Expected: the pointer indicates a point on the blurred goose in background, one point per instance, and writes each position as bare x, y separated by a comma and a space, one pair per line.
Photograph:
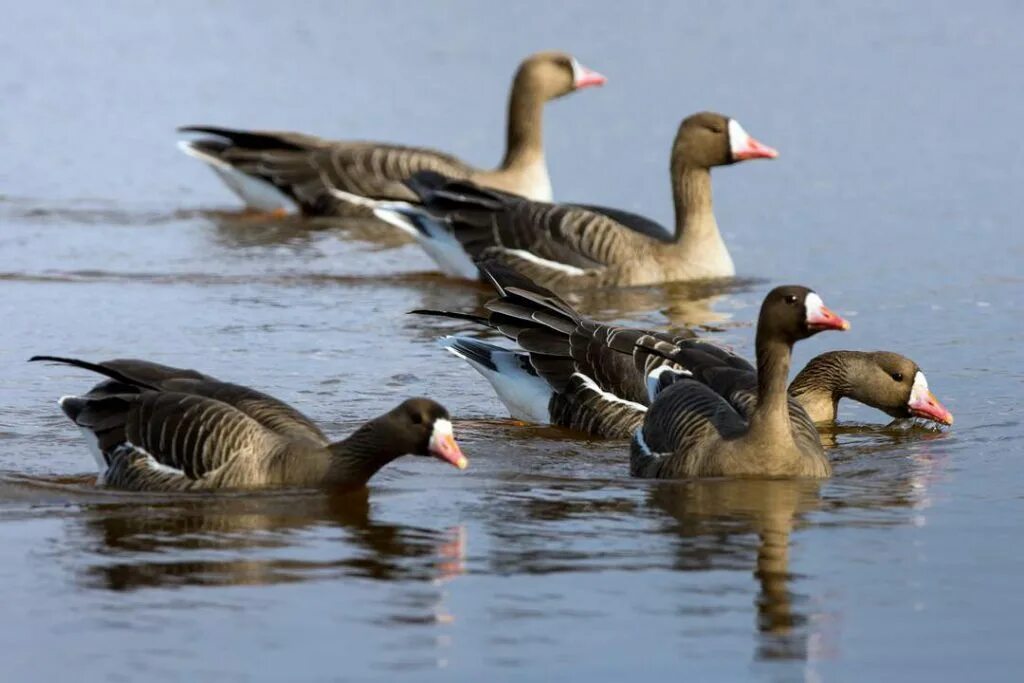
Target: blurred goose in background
567, 246
575, 372
281, 171
153, 427
731, 421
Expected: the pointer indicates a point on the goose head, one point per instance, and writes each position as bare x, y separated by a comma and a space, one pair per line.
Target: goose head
708, 139
794, 312
895, 385
554, 74
424, 427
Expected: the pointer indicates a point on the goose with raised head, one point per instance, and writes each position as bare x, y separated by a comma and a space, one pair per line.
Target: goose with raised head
567, 246
156, 428
281, 171
730, 421
571, 371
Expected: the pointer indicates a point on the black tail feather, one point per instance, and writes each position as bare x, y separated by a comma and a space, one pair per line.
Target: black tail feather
243, 138
97, 368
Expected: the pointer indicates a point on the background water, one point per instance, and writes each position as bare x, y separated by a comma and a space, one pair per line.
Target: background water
897, 195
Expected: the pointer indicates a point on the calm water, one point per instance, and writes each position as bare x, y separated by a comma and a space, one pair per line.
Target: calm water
897, 196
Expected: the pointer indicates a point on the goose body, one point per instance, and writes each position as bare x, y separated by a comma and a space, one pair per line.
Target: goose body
272, 170
158, 428
569, 246
570, 371
730, 421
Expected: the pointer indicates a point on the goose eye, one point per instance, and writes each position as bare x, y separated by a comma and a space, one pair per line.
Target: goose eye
791, 299
898, 376
417, 418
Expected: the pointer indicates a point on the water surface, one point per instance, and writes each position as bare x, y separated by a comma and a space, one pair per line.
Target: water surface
896, 196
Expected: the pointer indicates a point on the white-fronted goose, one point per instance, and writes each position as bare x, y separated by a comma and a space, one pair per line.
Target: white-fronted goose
566, 246
152, 427
291, 171
730, 421
574, 372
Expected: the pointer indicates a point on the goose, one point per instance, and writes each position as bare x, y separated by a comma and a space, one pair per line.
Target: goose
289, 172
153, 427
734, 422
574, 372
571, 246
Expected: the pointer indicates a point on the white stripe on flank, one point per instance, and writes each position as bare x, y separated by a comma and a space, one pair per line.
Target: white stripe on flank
154, 464
607, 395
257, 193
554, 265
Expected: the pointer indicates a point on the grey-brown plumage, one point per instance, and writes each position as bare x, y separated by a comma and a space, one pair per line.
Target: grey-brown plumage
569, 246
158, 428
729, 421
305, 168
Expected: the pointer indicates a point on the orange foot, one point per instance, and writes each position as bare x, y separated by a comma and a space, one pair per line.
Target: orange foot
258, 215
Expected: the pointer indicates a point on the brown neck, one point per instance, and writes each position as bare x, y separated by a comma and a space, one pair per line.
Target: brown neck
525, 144
691, 192
362, 454
697, 249
821, 384
771, 417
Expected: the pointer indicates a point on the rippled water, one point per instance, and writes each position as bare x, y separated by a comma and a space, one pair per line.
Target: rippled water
897, 196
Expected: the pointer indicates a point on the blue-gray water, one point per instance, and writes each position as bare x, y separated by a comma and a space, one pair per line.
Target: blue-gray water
897, 195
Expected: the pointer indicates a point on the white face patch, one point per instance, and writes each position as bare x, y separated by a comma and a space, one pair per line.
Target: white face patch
919, 392
577, 71
442, 428
815, 307
739, 139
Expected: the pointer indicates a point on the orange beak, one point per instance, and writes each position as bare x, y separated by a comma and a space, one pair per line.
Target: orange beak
586, 78
443, 446
825, 319
928, 407
752, 149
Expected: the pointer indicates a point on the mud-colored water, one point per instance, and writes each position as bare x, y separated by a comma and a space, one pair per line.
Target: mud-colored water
897, 196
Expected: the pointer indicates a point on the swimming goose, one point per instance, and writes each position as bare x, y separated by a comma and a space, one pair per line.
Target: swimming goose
560, 352
574, 372
274, 171
157, 428
731, 421
566, 246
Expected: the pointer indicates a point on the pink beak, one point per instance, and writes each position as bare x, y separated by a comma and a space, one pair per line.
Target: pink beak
753, 149
445, 448
586, 78
929, 408
825, 319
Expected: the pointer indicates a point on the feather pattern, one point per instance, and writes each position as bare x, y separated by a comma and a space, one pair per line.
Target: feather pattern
560, 344
185, 431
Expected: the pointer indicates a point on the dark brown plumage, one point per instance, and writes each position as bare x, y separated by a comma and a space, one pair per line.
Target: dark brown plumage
158, 428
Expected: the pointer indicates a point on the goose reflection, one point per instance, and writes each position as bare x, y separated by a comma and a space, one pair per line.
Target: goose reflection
727, 513
248, 229
258, 540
